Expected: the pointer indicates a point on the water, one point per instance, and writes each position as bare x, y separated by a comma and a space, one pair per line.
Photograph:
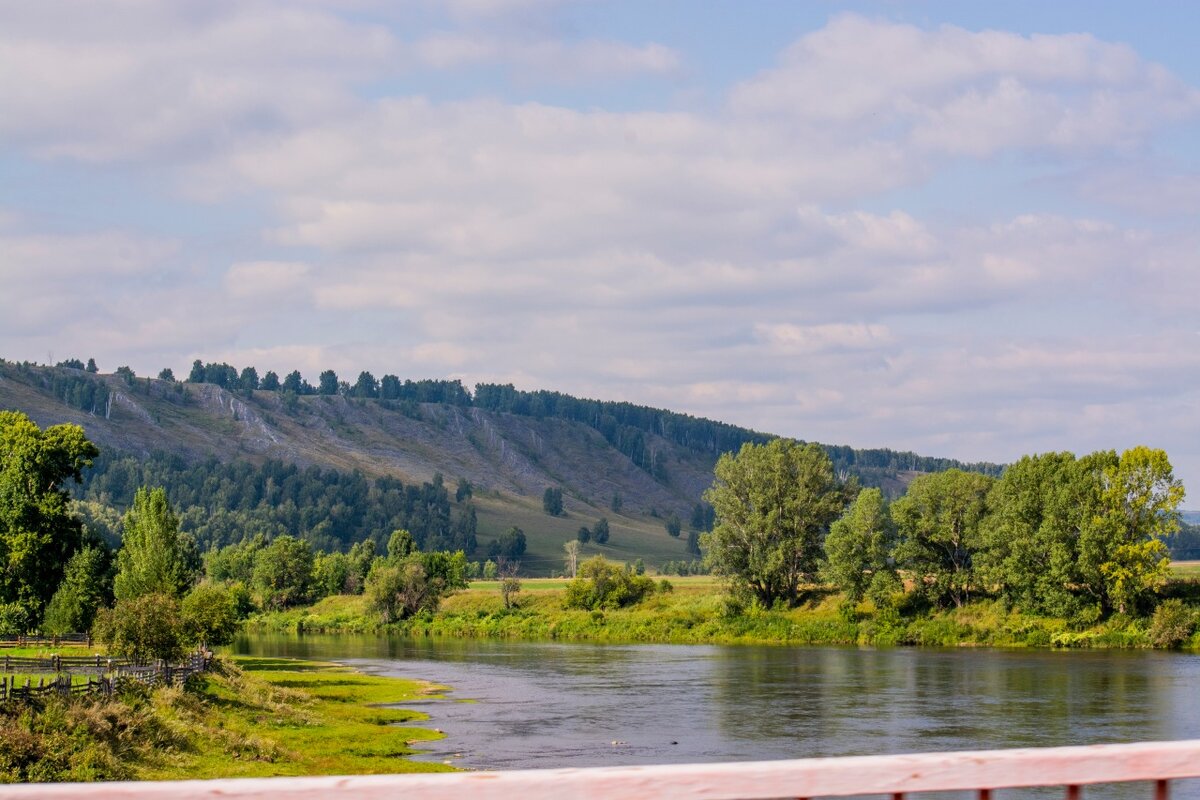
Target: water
541, 705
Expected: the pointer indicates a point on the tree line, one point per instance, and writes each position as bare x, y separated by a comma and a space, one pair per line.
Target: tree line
223, 503
630, 428
154, 592
1056, 534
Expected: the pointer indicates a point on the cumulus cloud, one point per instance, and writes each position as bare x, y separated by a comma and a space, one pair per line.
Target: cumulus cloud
953, 91
753, 260
553, 60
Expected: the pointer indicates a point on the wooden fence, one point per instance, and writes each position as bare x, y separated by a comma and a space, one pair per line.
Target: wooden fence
61, 640
104, 674
1156, 763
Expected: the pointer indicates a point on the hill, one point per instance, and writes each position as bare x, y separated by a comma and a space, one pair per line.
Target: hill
225, 452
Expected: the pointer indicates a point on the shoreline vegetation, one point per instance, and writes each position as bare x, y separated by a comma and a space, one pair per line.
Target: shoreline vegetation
249, 717
699, 611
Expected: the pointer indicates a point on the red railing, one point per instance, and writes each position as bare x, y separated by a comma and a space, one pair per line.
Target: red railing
982, 771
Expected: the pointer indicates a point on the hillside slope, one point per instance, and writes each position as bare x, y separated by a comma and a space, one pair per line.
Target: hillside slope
509, 458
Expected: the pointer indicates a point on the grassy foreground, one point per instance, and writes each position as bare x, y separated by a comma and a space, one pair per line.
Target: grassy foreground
697, 611
250, 717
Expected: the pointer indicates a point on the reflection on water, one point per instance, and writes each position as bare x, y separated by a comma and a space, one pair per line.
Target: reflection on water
548, 704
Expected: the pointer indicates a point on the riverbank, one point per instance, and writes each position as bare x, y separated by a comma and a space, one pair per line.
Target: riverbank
702, 614
250, 717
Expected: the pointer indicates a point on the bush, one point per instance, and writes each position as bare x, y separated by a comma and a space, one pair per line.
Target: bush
1172, 624
603, 584
142, 629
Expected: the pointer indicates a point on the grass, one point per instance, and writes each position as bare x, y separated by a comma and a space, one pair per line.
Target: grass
696, 610
630, 538
1185, 569
249, 717
262, 717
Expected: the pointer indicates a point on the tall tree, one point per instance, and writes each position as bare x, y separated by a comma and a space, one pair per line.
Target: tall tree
283, 572
365, 386
248, 380
1121, 553
38, 532
293, 382
552, 501
84, 589
938, 520
858, 549
270, 382
154, 557
328, 382
774, 503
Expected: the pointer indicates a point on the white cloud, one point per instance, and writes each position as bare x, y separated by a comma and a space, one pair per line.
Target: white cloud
550, 60
251, 279
953, 91
743, 260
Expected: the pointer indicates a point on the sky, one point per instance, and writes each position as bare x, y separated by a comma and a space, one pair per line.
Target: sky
964, 229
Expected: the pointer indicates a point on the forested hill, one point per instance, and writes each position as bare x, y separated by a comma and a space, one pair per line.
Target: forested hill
634, 464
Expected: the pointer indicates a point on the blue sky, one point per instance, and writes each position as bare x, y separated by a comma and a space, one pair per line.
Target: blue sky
967, 229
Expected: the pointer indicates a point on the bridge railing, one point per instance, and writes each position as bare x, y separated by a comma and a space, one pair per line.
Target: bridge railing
1157, 763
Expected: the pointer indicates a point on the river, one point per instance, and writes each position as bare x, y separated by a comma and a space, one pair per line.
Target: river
534, 704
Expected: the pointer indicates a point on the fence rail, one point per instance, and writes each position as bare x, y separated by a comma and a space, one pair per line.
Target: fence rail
60, 640
109, 673
982, 771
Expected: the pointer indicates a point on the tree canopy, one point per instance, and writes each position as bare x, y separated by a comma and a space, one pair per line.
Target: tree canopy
38, 532
774, 503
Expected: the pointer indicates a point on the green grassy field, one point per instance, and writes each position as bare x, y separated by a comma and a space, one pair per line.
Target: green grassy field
248, 717
1185, 569
630, 538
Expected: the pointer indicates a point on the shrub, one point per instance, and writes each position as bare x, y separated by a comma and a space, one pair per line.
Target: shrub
1172, 624
603, 584
143, 628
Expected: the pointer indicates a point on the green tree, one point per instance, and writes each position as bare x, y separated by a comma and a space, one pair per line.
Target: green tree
154, 556
1038, 510
248, 380
365, 386
858, 549
774, 503
600, 531
400, 545
552, 501
167, 374
283, 573
616, 503
509, 545
1121, 553
38, 531
359, 558
327, 383
234, 562
584, 535
673, 526
463, 491
85, 587
939, 525
270, 382
294, 383
209, 615
91, 366
197, 373
331, 573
